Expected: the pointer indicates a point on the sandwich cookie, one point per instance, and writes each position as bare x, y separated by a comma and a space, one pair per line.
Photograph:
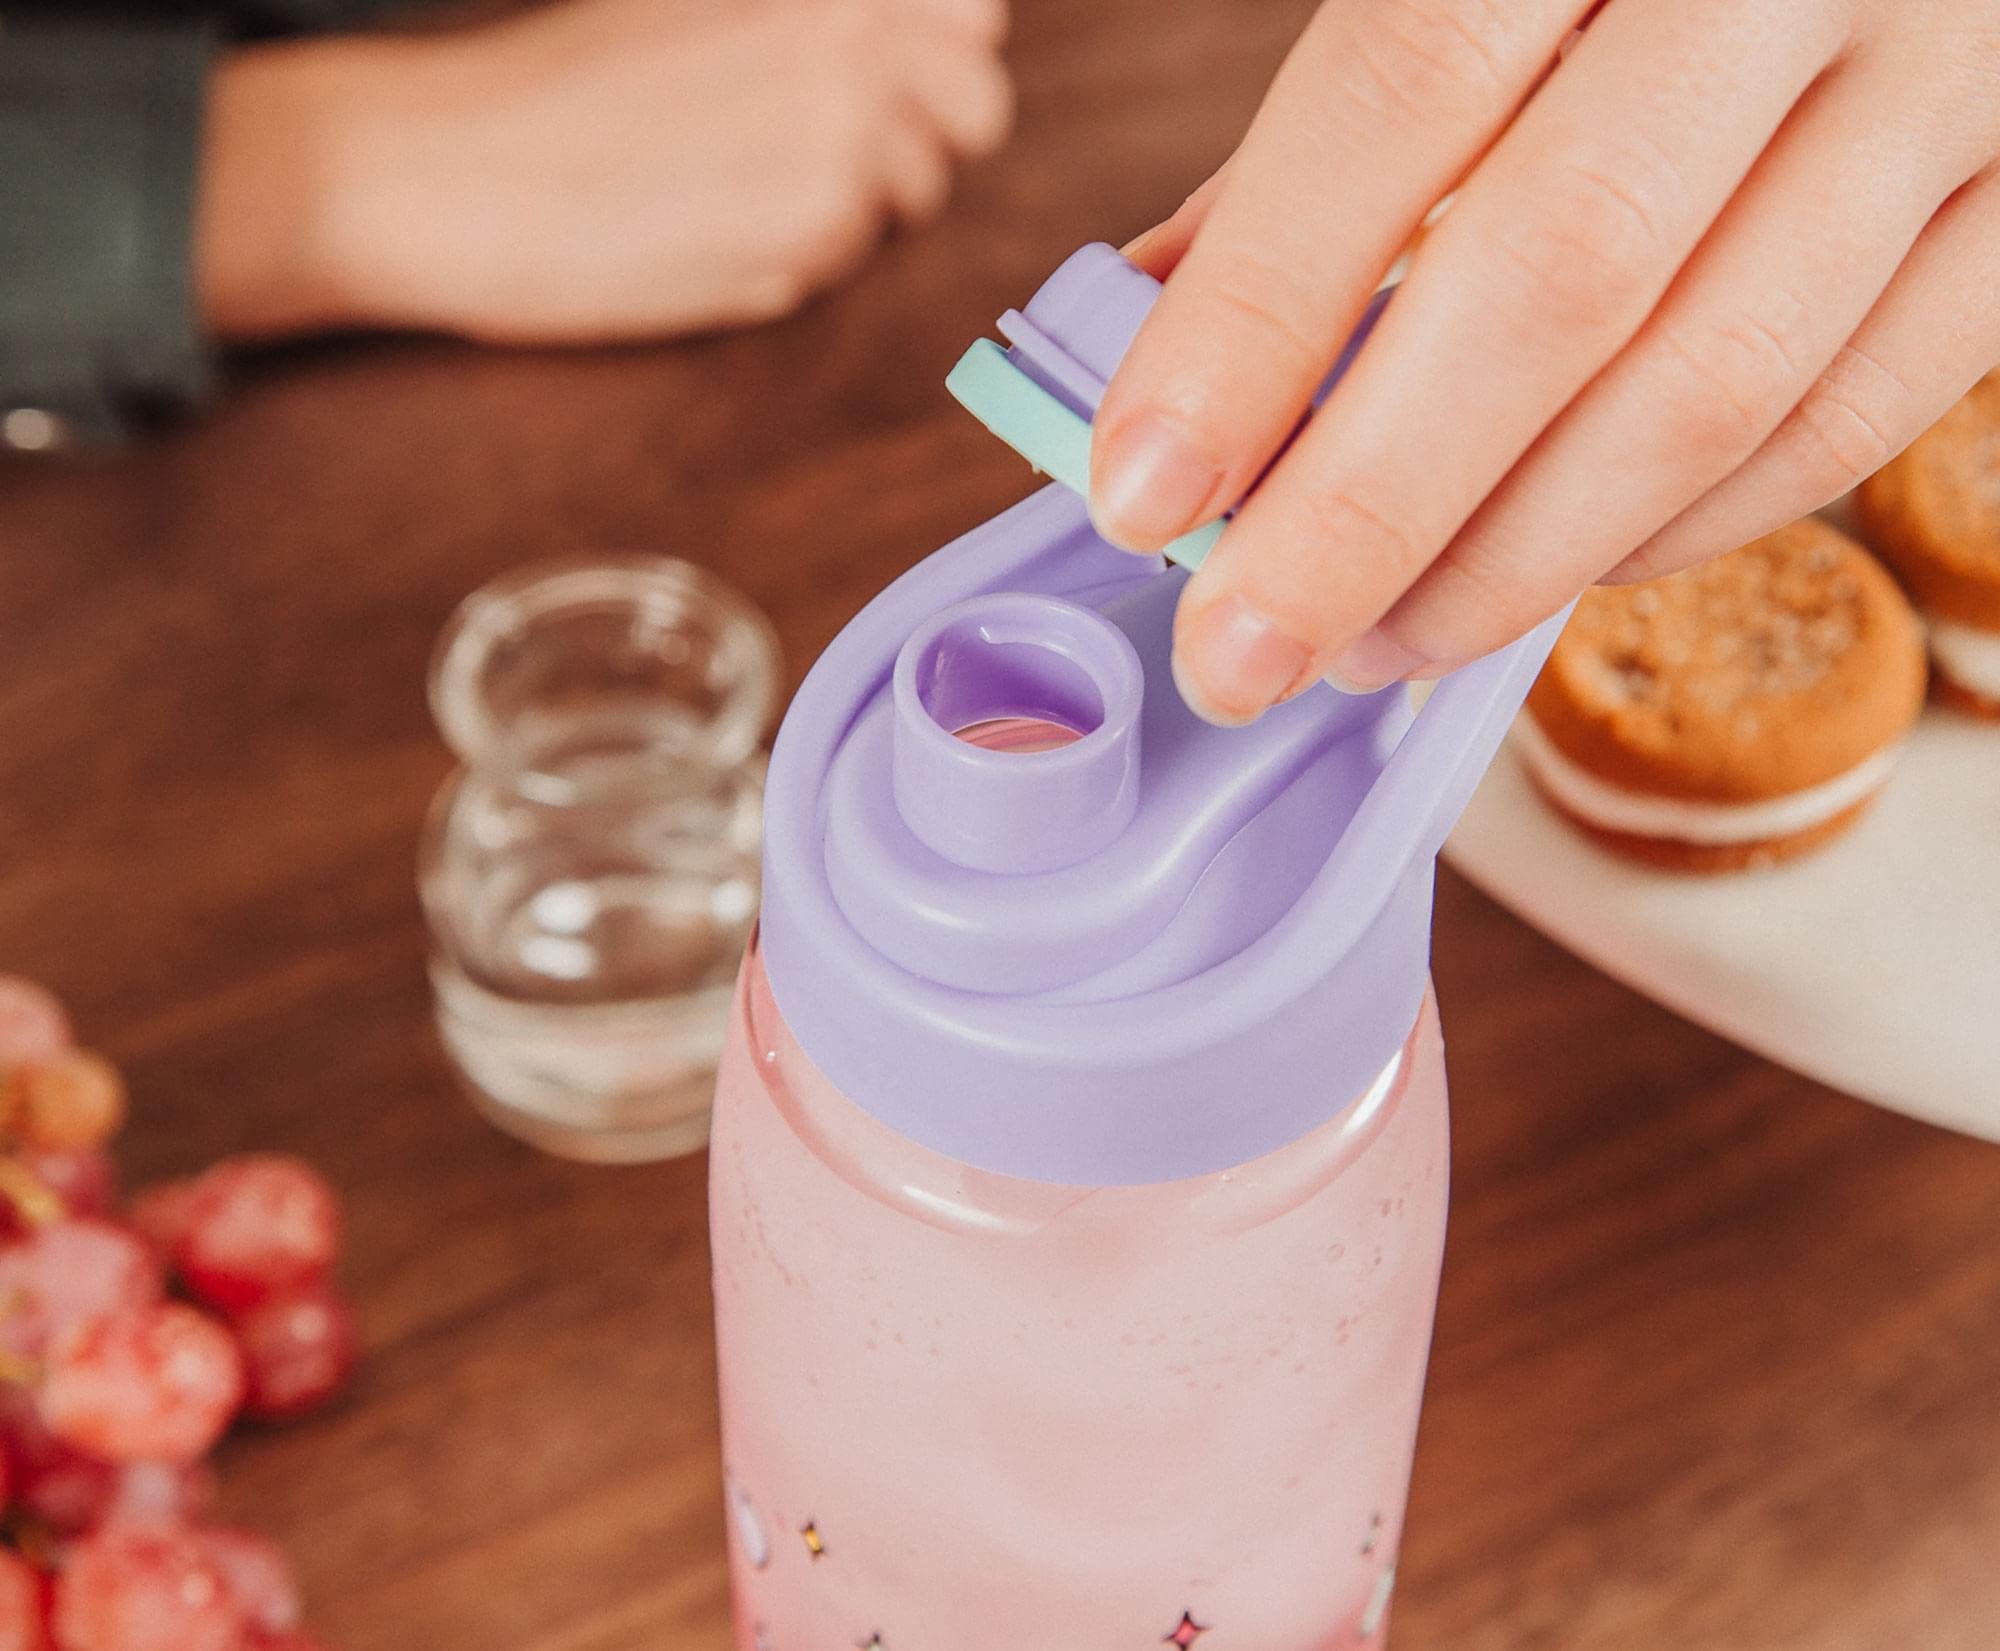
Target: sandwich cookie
1735, 714
1934, 514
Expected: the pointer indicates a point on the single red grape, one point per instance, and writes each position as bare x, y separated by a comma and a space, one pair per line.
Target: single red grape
27, 1443
258, 1575
260, 1225
62, 1275
298, 1352
48, 1478
24, 1609
33, 1026
84, 1178
51, 1480
172, 1493
72, 1493
75, 1099
160, 1214
159, 1383
69, 1493
144, 1588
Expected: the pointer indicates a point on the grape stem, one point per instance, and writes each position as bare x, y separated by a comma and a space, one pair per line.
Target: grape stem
32, 1199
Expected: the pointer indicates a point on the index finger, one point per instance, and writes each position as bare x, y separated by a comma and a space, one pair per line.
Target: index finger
1376, 113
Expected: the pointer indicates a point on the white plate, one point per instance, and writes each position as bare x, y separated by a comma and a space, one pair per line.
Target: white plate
1873, 965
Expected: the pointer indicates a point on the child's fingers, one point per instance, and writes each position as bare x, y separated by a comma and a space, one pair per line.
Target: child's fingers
1933, 335
961, 88
1554, 252
916, 169
1759, 312
1376, 111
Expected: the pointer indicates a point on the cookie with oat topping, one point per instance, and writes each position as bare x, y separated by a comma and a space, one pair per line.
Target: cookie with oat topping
1732, 715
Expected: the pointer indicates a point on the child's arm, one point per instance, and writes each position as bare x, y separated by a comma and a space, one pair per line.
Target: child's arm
1727, 259
585, 172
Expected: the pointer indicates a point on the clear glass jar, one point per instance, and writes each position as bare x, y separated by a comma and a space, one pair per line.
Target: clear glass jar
591, 873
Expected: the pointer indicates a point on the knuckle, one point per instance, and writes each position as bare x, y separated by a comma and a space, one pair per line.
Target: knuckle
1472, 597
1652, 560
987, 114
1413, 57
1850, 415
1264, 298
1592, 252
1730, 384
1365, 533
828, 218
845, 235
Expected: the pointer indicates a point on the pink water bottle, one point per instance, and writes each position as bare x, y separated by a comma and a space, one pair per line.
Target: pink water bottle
1079, 1161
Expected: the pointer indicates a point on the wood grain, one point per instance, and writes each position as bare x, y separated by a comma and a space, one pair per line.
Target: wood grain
1718, 1359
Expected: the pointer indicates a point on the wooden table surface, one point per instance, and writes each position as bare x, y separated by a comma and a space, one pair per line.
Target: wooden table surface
1718, 1355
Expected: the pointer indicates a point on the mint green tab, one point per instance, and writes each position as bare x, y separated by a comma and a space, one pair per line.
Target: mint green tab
1045, 432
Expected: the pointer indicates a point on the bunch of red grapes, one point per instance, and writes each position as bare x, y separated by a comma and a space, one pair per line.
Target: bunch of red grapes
114, 1391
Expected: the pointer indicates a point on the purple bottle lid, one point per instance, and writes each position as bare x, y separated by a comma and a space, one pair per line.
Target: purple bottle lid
1158, 950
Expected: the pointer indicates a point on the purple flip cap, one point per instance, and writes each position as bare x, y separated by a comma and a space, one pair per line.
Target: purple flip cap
1160, 950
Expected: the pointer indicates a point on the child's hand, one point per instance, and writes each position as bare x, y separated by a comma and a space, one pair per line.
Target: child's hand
602, 169
1728, 259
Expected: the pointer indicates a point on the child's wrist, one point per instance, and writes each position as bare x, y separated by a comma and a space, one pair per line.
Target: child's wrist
315, 157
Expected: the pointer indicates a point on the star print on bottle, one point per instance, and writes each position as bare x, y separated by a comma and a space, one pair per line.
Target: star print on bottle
1187, 1633
811, 1537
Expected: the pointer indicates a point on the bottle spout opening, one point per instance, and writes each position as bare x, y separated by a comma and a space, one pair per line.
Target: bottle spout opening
977, 669
1016, 742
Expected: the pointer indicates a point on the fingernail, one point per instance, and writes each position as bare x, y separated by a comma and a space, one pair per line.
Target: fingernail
1149, 483
1133, 248
1232, 662
1373, 660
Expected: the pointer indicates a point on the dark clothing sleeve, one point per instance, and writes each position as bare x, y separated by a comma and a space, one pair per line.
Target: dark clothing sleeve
100, 126
100, 136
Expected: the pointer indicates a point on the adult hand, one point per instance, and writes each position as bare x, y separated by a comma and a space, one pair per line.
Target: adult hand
588, 171
1722, 262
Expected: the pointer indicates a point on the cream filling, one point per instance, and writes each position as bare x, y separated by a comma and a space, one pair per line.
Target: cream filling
1966, 654
1678, 819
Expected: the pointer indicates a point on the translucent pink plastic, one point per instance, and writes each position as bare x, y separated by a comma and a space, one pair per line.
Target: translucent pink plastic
964, 1412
